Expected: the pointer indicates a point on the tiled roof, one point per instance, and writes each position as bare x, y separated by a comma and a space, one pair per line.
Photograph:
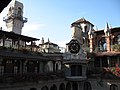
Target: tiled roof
21, 55
13, 35
82, 20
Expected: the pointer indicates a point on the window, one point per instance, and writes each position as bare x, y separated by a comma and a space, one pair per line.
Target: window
75, 86
44, 88
54, 87
113, 61
19, 12
104, 62
62, 86
87, 86
113, 87
68, 86
102, 44
76, 70
118, 39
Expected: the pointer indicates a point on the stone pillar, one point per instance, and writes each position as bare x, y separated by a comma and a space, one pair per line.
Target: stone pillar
4, 37
91, 44
21, 66
108, 43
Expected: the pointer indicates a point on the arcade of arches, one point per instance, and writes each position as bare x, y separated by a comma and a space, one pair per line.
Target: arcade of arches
67, 86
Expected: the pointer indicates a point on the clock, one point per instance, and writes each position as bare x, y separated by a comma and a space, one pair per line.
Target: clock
74, 46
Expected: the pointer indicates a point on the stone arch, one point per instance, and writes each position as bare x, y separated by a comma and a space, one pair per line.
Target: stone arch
68, 86
58, 65
62, 86
75, 86
113, 87
33, 89
54, 87
44, 88
87, 86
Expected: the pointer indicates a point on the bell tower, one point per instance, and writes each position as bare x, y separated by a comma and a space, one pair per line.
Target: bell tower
81, 29
14, 19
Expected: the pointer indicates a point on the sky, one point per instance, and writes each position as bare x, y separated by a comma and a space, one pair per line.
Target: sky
53, 18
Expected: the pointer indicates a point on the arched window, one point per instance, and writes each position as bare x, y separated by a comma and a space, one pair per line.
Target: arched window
62, 86
102, 44
75, 86
58, 65
68, 86
19, 12
113, 87
44, 88
49, 66
87, 86
116, 39
54, 87
10, 11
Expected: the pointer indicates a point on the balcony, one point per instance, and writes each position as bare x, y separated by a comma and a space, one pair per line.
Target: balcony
15, 17
76, 78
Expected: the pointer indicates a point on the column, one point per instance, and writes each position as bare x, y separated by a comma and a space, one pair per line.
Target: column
21, 66
91, 44
18, 43
4, 40
31, 45
108, 43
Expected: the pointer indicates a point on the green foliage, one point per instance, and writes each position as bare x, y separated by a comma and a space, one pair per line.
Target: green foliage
116, 47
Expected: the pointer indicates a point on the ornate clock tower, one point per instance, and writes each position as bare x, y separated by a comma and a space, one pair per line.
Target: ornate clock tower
75, 58
14, 19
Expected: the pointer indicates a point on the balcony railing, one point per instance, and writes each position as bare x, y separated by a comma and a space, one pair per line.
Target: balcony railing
15, 16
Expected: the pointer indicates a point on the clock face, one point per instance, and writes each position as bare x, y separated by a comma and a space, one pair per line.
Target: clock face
74, 46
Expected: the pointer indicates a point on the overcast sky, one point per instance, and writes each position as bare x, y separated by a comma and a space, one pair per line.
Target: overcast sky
52, 18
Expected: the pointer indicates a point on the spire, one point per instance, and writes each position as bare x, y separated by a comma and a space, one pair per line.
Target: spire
42, 41
106, 30
107, 27
48, 40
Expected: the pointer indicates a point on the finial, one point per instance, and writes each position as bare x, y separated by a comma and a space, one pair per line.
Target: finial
106, 30
48, 40
42, 41
106, 27
0, 28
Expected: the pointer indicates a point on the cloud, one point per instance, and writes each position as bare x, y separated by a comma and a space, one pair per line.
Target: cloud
29, 27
